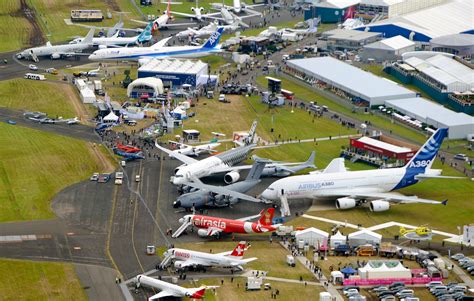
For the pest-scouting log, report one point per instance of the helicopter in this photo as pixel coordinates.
(417, 233)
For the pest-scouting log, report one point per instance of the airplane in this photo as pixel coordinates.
(283, 170)
(215, 226)
(128, 156)
(170, 290)
(184, 259)
(196, 10)
(159, 50)
(353, 188)
(57, 51)
(163, 20)
(103, 126)
(238, 7)
(190, 150)
(207, 30)
(128, 148)
(216, 196)
(115, 40)
(90, 73)
(220, 163)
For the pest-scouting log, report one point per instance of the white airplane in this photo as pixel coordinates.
(57, 51)
(207, 30)
(159, 50)
(187, 258)
(170, 290)
(238, 7)
(353, 188)
(163, 20)
(115, 40)
(190, 150)
(196, 10)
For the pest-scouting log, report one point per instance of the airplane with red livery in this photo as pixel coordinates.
(184, 259)
(215, 226)
(128, 148)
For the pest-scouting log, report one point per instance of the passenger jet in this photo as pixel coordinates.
(353, 188)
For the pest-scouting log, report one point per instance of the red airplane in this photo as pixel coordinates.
(128, 148)
(214, 226)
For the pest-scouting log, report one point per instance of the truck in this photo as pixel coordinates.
(97, 85)
(253, 283)
(290, 260)
(118, 178)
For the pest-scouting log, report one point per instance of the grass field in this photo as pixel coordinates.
(36, 165)
(274, 264)
(29, 280)
(51, 98)
(13, 37)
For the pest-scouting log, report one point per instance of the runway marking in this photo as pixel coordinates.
(134, 216)
(109, 235)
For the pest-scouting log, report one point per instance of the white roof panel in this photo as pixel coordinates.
(351, 79)
(173, 66)
(383, 145)
(337, 3)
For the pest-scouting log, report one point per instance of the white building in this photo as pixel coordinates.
(364, 237)
(468, 235)
(87, 95)
(379, 269)
(148, 85)
(390, 49)
(312, 236)
(392, 8)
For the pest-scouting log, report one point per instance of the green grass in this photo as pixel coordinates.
(14, 28)
(40, 96)
(35, 166)
(29, 280)
(184, 7)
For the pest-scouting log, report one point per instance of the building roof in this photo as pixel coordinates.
(312, 230)
(365, 232)
(383, 145)
(424, 110)
(380, 2)
(173, 66)
(349, 35)
(458, 40)
(448, 18)
(393, 43)
(152, 82)
(351, 79)
(340, 4)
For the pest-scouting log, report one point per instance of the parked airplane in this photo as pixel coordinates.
(57, 51)
(128, 156)
(238, 7)
(217, 196)
(184, 259)
(128, 148)
(115, 40)
(196, 10)
(163, 20)
(352, 188)
(190, 150)
(159, 50)
(90, 73)
(283, 170)
(170, 290)
(207, 30)
(220, 163)
(215, 226)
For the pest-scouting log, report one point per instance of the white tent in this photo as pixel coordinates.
(337, 239)
(384, 269)
(178, 112)
(111, 117)
(312, 236)
(363, 237)
(87, 95)
(337, 277)
(147, 84)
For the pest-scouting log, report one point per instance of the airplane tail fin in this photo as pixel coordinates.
(238, 251)
(256, 170)
(145, 35)
(250, 139)
(214, 39)
(168, 8)
(89, 37)
(310, 162)
(266, 217)
(425, 156)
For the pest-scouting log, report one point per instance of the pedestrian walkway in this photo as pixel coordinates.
(466, 279)
(253, 273)
(330, 288)
(331, 221)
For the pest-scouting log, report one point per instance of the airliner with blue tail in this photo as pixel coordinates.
(159, 50)
(353, 188)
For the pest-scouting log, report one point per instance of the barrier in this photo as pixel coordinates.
(387, 281)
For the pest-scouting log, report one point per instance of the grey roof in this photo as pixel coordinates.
(340, 4)
(350, 35)
(393, 43)
(460, 39)
(351, 79)
(424, 110)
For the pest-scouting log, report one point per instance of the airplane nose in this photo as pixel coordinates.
(92, 57)
(177, 204)
(268, 194)
(181, 220)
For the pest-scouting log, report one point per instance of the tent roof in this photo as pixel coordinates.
(111, 116)
(336, 274)
(364, 232)
(339, 236)
(348, 270)
(312, 230)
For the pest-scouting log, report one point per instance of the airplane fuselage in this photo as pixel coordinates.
(53, 49)
(229, 225)
(206, 259)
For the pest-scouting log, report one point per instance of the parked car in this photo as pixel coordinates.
(458, 256)
(33, 67)
(94, 177)
(462, 157)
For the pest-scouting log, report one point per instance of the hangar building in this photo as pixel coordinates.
(341, 39)
(390, 49)
(348, 81)
(460, 125)
(331, 11)
(175, 72)
(460, 44)
(145, 86)
(390, 8)
(451, 17)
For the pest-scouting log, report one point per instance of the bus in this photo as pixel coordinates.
(287, 94)
(35, 76)
(87, 15)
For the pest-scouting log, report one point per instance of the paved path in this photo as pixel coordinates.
(253, 272)
(327, 220)
(99, 282)
(466, 279)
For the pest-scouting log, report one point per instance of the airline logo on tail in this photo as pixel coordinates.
(266, 217)
(145, 36)
(427, 153)
(198, 294)
(239, 250)
(214, 38)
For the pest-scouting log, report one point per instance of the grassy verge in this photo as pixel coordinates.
(13, 24)
(35, 166)
(32, 95)
(29, 280)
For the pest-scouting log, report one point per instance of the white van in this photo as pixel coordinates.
(35, 76)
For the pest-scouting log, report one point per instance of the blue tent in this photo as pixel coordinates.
(348, 271)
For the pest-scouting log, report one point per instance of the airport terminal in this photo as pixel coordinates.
(291, 150)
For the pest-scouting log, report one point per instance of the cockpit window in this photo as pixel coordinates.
(270, 188)
(179, 176)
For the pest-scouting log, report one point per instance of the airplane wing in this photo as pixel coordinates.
(211, 231)
(248, 218)
(244, 167)
(162, 294)
(221, 190)
(183, 158)
(178, 24)
(206, 147)
(161, 43)
(386, 196)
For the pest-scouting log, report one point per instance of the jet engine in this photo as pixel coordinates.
(345, 203)
(177, 264)
(231, 177)
(202, 232)
(55, 56)
(379, 206)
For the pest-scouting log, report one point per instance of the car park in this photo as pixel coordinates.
(433, 284)
(458, 256)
